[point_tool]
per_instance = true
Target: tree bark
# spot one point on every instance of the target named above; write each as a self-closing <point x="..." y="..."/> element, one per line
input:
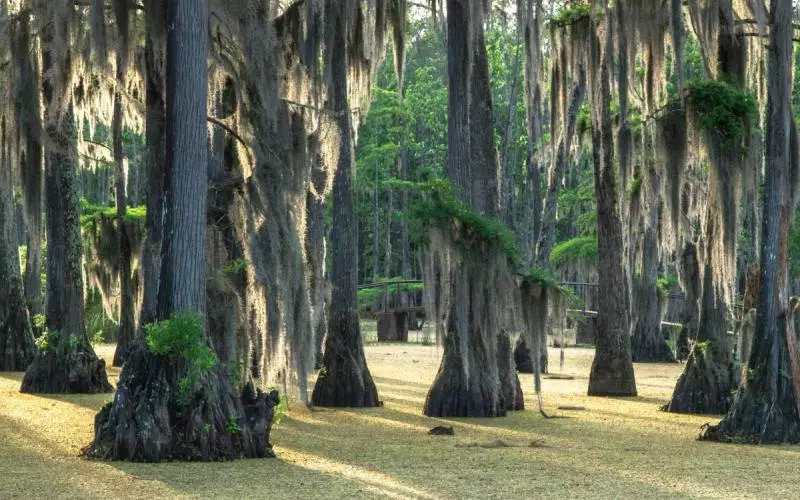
<point x="469" y="381"/>
<point x="31" y="126"/>
<point x="344" y="379"/>
<point x="765" y="409"/>
<point x="146" y="421"/>
<point x="612" y="368"/>
<point x="16" y="339"/>
<point x="127" y="322"/>
<point x="68" y="364"/>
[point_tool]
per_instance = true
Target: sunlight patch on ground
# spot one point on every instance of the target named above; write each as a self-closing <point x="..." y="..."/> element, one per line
<point x="600" y="448"/>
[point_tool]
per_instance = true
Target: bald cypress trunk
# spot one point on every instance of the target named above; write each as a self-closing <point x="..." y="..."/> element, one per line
<point x="31" y="128"/>
<point x="708" y="379"/>
<point x="66" y="363"/>
<point x="153" y="416"/>
<point x="474" y="378"/>
<point x="16" y="340"/>
<point x="766" y="408"/>
<point x="127" y="323"/>
<point x="154" y="158"/>
<point x="344" y="379"/>
<point x="612" y="368"/>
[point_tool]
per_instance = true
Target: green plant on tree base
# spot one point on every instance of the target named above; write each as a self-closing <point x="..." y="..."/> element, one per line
<point x="665" y="284"/>
<point x="182" y="337"/>
<point x="233" y="427"/>
<point x="56" y="341"/>
<point x="282" y="408"/>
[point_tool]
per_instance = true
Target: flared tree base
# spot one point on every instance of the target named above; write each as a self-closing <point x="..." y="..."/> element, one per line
<point x="450" y="396"/>
<point x="147" y="422"/>
<point x="344" y="381"/>
<point x="705" y="385"/>
<point x="73" y="371"/>
<point x="613" y="377"/>
<point x="651" y="350"/>
<point x="16" y="342"/>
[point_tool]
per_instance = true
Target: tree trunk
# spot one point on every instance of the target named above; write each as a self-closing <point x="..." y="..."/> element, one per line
<point x="648" y="302"/>
<point x="147" y="421"/>
<point x="612" y="368"/>
<point x="16" y="340"/>
<point x="155" y="159"/>
<point x="765" y="409"/>
<point x="127" y="322"/>
<point x="547" y="239"/>
<point x="472" y="380"/>
<point x="316" y="250"/>
<point x="376" y="230"/>
<point x="708" y="379"/>
<point x="344" y="379"/>
<point x="68" y="364"/>
<point x="32" y="169"/>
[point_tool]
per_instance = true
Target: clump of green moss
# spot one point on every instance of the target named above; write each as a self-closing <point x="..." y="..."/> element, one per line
<point x="581" y="248"/>
<point x="665" y="284"/>
<point x="572" y="14"/>
<point x="722" y="109"/>
<point x="91" y="213"/>
<point x="438" y="203"/>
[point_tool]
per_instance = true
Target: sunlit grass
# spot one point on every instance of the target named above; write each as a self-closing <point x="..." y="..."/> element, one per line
<point x="611" y="448"/>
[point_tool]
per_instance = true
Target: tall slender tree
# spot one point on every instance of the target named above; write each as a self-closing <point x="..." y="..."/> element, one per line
<point x="127" y="321"/>
<point x="612" y="368"/>
<point x="345" y="379"/>
<point x="67" y="362"/>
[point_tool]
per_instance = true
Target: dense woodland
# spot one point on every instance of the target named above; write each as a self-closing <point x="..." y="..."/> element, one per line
<point x="207" y="183"/>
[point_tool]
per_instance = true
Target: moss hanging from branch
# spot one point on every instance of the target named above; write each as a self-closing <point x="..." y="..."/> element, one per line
<point x="722" y="110"/>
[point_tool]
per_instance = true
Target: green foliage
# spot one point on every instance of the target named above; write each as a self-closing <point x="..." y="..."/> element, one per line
<point x="235" y="267"/>
<point x="282" y="408"/>
<point x="572" y="14"/>
<point x="722" y="110"/>
<point x="703" y="347"/>
<point x="233" y="427"/>
<point x="91" y="213"/>
<point x="581" y="248"/>
<point x="439" y="204"/>
<point x="56" y="341"/>
<point x="368" y="298"/>
<point x="666" y="284"/>
<point x="39" y="321"/>
<point x="584" y="119"/>
<point x="182" y="337"/>
<point x="544" y="277"/>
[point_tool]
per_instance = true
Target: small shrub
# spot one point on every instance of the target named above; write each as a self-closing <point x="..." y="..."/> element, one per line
<point x="233" y="427"/>
<point x="666" y="284"/>
<point x="182" y="336"/>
